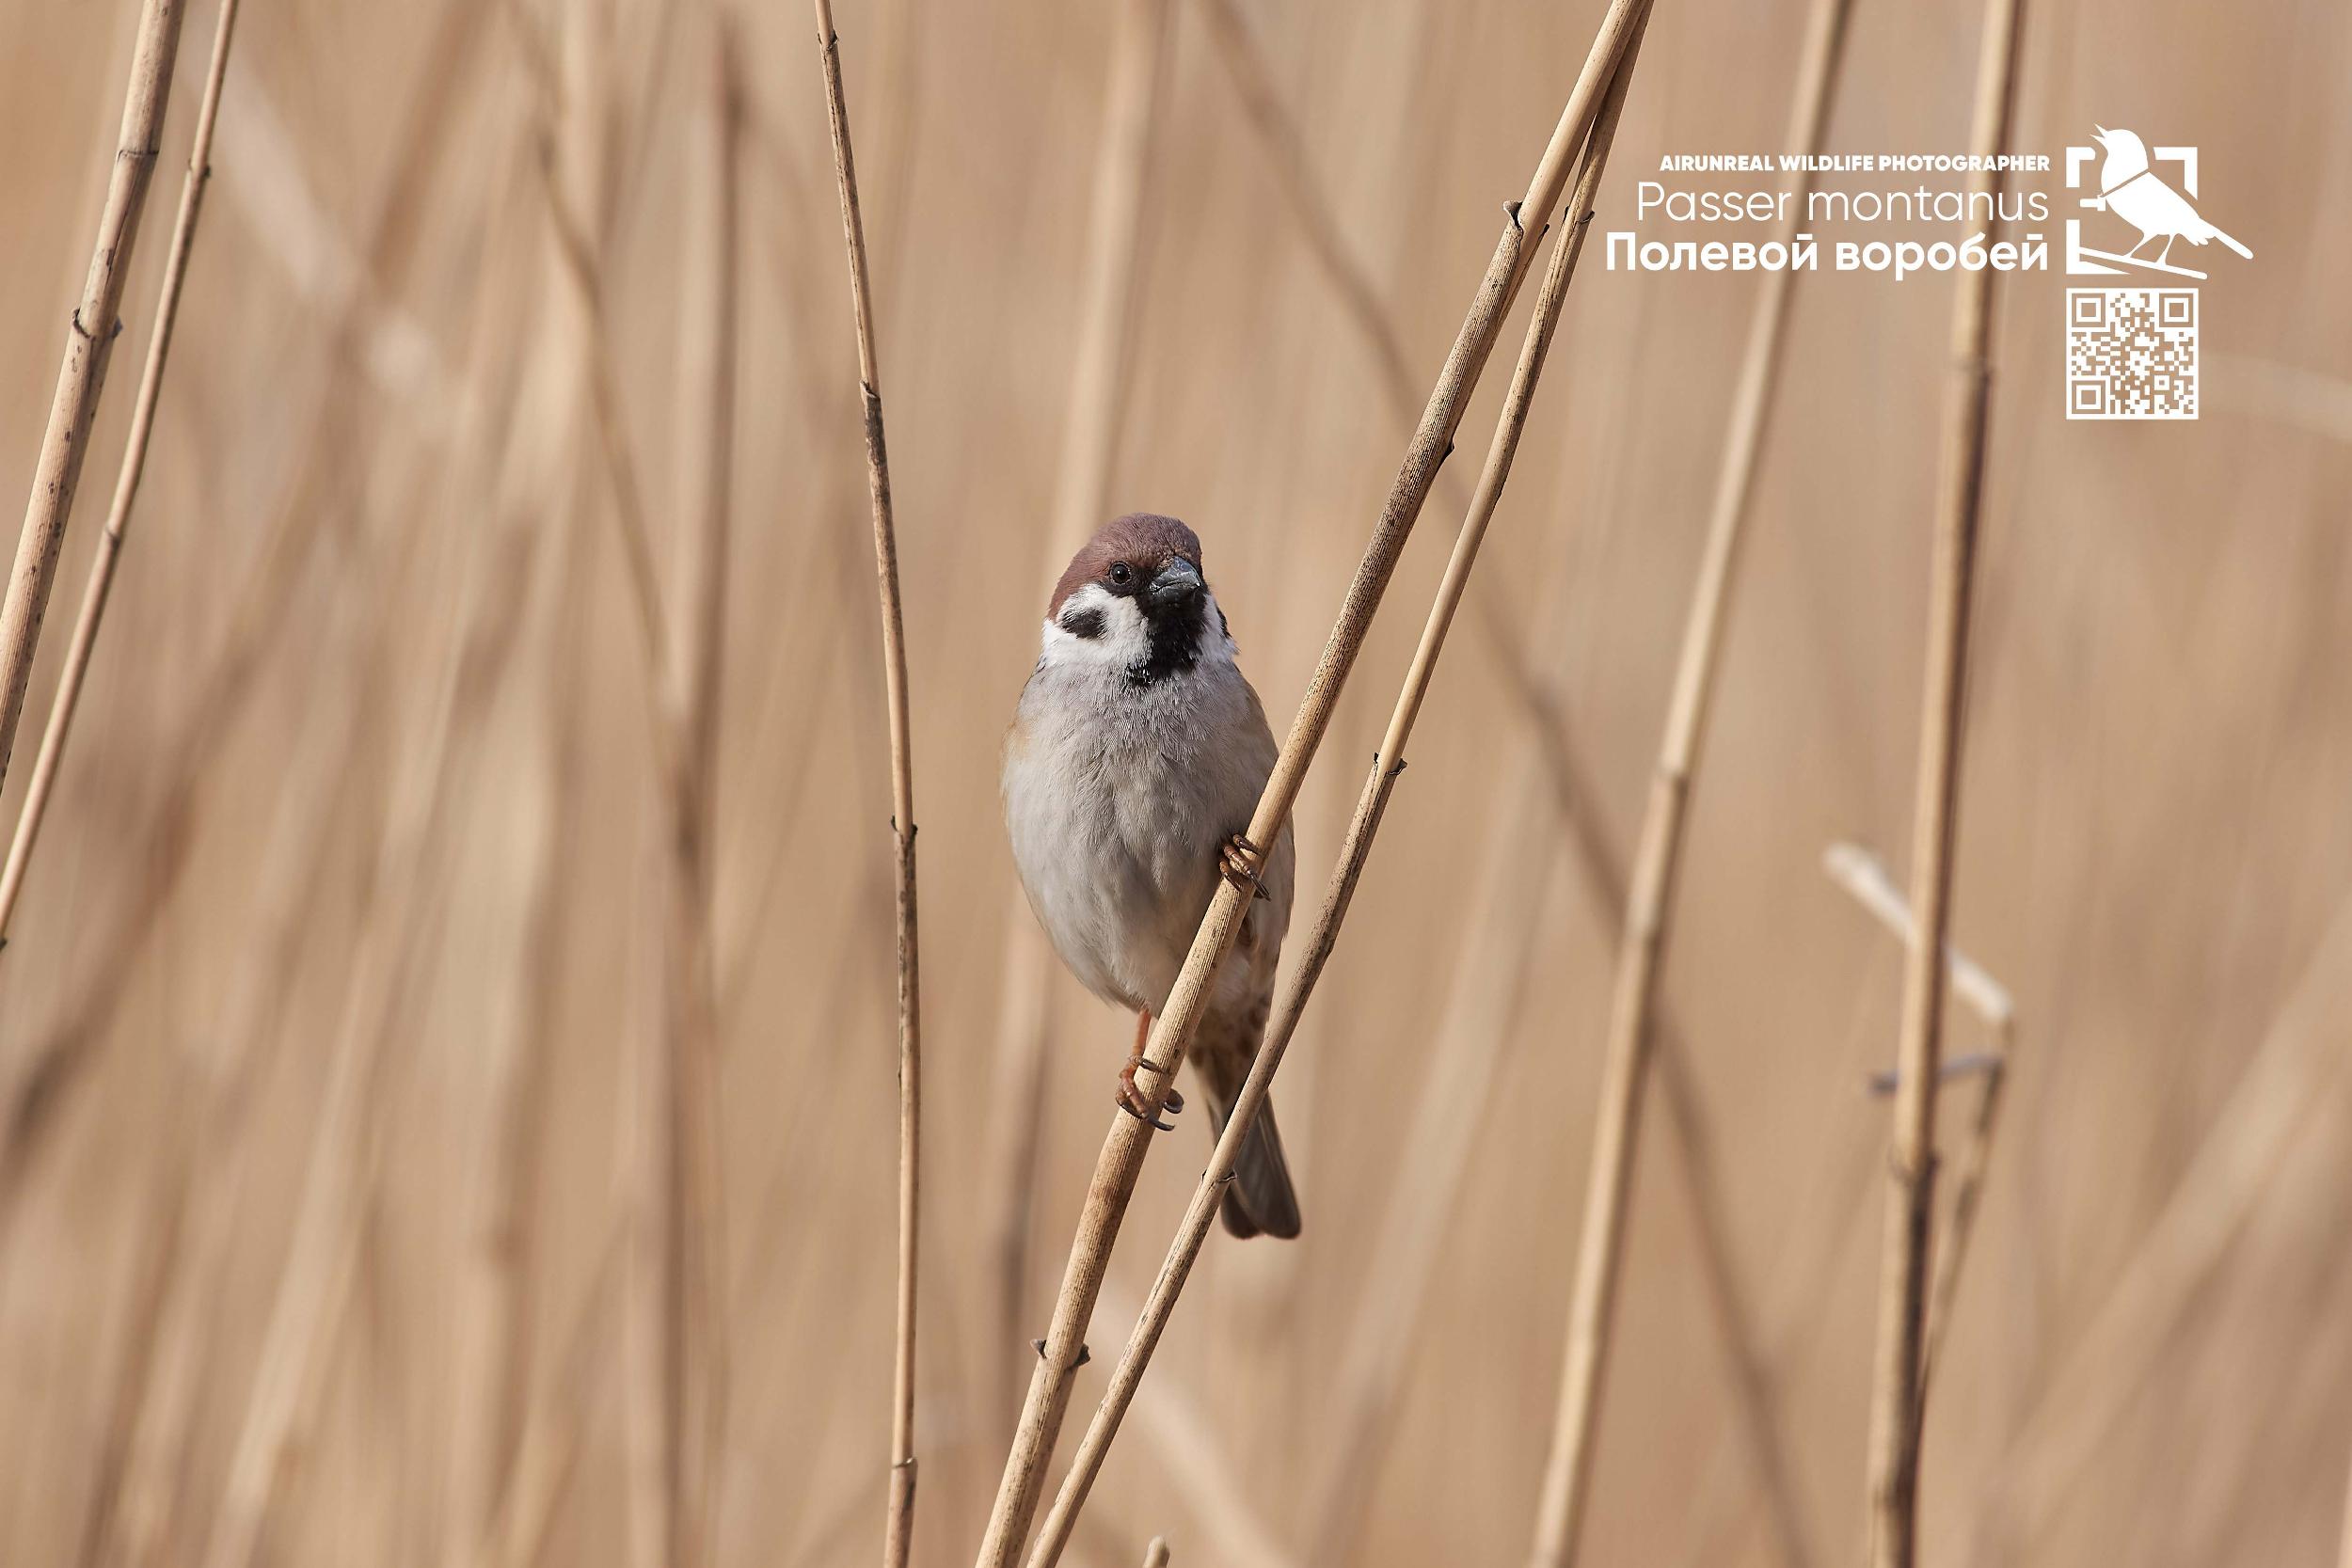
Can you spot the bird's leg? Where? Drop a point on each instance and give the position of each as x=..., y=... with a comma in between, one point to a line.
x=1131, y=1097
x=2168, y=248
x=2137, y=249
x=1241, y=860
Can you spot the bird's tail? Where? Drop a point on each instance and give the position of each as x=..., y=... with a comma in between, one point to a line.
x=2231, y=242
x=1260, y=1200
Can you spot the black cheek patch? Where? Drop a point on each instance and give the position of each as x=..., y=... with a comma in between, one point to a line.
x=1088, y=623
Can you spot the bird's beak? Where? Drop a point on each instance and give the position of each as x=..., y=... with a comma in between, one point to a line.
x=2098, y=135
x=1176, y=583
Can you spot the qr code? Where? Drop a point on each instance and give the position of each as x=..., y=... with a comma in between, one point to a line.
x=2131, y=353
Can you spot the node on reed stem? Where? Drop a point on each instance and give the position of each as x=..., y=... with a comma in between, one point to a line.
x=102, y=572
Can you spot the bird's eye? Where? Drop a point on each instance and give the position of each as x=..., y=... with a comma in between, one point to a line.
x=1121, y=574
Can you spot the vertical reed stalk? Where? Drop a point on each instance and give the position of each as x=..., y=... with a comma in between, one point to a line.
x=683, y=1069
x=102, y=572
x=1624, y=1062
x=1101, y=371
x=89, y=347
x=1156, y=1555
x=1898, y=1396
x=899, y=1524
x=1356, y=845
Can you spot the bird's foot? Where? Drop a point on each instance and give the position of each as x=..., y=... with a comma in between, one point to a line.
x=1131, y=1099
x=1242, y=862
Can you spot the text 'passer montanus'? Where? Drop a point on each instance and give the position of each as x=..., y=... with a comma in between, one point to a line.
x=1135, y=761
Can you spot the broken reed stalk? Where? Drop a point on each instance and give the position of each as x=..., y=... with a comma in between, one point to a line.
x=1129, y=1140
x=102, y=570
x=1898, y=1397
x=1356, y=844
x=89, y=347
x=1862, y=874
x=1101, y=368
x=900, y=1527
x=1648, y=910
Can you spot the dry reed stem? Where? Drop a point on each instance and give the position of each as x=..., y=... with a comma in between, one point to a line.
x=1898, y=1399
x=409, y=869
x=60, y=1063
x=1694, y=1143
x=1862, y=874
x=2300, y=1065
x=679, y=1315
x=1156, y=1555
x=1101, y=370
x=1440, y=1142
x=1319, y=218
x=320, y=774
x=900, y=1523
x=547, y=1450
x=88, y=348
x=1567, y=1488
x=673, y=1330
x=1123, y=1151
x=102, y=572
x=1356, y=846
x=316, y=1286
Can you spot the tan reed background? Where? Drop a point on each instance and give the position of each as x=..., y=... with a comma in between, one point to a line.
x=364, y=775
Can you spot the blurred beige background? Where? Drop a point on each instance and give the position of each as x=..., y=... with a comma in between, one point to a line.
x=363, y=776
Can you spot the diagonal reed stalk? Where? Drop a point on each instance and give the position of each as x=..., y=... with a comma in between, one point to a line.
x=1861, y=874
x=1445, y=1122
x=102, y=572
x=1100, y=372
x=899, y=1524
x=1155, y=1554
x=1899, y=1395
x=43, y=1091
x=1356, y=845
x=1648, y=910
x=88, y=348
x=1121, y=1158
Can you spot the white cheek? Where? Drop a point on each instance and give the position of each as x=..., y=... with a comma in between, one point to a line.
x=1125, y=641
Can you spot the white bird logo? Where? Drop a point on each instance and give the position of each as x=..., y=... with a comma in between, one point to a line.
x=2131, y=189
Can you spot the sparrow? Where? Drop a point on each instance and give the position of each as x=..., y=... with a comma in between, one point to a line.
x=1135, y=760
x=2132, y=189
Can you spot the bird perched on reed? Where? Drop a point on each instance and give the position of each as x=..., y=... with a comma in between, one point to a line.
x=2130, y=188
x=1136, y=754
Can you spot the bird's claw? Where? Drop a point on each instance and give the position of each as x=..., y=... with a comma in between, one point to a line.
x=1241, y=860
x=1131, y=1101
